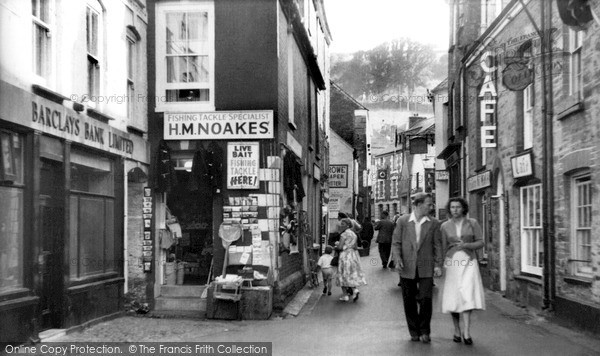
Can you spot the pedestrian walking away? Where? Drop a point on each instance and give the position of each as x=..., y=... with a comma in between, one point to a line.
x=417, y=250
x=366, y=233
x=327, y=270
x=463, y=289
x=384, y=238
x=350, y=274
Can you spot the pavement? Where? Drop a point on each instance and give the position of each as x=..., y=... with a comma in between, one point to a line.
x=374, y=325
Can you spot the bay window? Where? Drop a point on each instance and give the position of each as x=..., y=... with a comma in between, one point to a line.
x=185, y=55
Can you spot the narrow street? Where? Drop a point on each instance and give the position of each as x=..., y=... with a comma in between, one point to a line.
x=374, y=325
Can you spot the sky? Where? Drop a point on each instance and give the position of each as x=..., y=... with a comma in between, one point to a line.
x=363, y=24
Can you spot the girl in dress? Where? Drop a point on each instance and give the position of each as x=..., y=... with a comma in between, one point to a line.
x=463, y=290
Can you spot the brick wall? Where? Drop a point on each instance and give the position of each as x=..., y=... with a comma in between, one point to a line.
x=577, y=149
x=137, y=282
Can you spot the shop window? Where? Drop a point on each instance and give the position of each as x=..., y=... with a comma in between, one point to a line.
x=532, y=248
x=42, y=32
x=92, y=219
x=94, y=48
x=186, y=54
x=581, y=226
x=11, y=213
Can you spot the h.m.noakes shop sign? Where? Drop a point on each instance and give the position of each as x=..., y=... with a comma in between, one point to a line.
x=55, y=119
x=219, y=125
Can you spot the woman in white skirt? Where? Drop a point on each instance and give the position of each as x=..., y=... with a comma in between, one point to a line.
x=463, y=290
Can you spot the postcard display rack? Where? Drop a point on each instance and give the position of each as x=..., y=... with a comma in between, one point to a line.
x=147, y=241
x=247, y=288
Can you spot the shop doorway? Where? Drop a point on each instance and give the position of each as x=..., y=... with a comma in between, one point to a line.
x=51, y=226
x=193, y=251
x=501, y=231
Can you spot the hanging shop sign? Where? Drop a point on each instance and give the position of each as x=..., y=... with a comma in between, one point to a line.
x=479, y=181
x=219, y=125
x=522, y=165
x=418, y=145
x=338, y=176
x=316, y=172
x=517, y=75
x=488, y=95
x=58, y=120
x=442, y=175
x=242, y=165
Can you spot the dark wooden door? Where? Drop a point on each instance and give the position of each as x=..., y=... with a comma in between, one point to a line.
x=52, y=241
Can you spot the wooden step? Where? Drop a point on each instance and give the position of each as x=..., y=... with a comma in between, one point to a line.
x=180, y=303
x=181, y=291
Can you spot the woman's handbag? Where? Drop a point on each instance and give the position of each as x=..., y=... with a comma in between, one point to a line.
x=335, y=261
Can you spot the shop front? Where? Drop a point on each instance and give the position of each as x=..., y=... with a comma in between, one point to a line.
x=219, y=195
x=61, y=246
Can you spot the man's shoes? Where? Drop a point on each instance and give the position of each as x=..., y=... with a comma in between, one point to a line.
x=426, y=339
x=328, y=293
x=356, y=294
x=457, y=339
x=325, y=290
x=415, y=338
x=468, y=341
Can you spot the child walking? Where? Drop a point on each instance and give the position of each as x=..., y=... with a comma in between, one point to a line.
x=326, y=269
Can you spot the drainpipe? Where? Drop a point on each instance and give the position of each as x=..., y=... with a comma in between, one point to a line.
x=548, y=122
x=547, y=162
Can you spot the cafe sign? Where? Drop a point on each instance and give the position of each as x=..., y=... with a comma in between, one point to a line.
x=219, y=125
x=479, y=181
x=522, y=165
x=242, y=165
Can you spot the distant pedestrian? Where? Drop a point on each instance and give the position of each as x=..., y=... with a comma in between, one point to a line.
x=463, y=289
x=350, y=274
x=417, y=250
x=396, y=216
x=384, y=238
x=366, y=233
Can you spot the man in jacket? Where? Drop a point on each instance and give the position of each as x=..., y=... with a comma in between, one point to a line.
x=384, y=238
x=417, y=250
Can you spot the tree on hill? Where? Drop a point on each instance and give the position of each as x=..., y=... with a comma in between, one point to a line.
x=398, y=66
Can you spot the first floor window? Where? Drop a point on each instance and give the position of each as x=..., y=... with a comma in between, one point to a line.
x=575, y=63
x=94, y=48
x=581, y=222
x=188, y=40
x=380, y=189
x=40, y=12
x=92, y=219
x=394, y=188
x=532, y=248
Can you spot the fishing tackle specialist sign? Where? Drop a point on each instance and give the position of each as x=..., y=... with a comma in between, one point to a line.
x=219, y=125
x=242, y=165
